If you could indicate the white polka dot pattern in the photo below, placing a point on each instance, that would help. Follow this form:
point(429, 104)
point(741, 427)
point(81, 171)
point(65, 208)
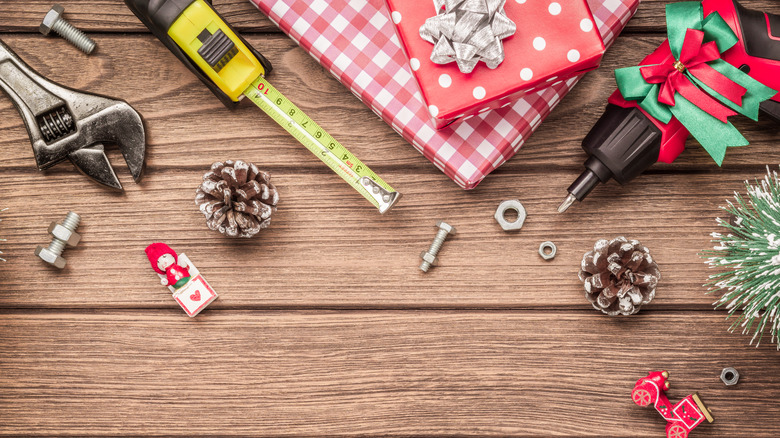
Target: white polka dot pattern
point(586, 25)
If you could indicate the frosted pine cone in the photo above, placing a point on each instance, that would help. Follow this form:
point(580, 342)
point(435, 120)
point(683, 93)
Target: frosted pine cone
point(619, 276)
point(237, 198)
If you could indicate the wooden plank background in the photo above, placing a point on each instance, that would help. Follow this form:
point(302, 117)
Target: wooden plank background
point(324, 325)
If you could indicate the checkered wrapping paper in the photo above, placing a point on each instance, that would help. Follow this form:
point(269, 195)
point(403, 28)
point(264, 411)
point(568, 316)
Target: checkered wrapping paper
point(356, 41)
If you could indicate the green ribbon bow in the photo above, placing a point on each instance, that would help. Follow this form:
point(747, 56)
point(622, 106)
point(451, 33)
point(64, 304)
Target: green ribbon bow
point(664, 91)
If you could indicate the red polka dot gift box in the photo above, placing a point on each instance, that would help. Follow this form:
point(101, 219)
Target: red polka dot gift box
point(356, 41)
point(480, 55)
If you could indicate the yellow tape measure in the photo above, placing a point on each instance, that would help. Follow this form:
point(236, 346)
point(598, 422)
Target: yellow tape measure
point(231, 66)
point(322, 144)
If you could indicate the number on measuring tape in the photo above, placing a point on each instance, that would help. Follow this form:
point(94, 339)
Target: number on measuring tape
point(320, 143)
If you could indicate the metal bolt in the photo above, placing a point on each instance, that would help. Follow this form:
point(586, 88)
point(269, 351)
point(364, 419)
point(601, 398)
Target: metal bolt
point(429, 257)
point(54, 21)
point(64, 234)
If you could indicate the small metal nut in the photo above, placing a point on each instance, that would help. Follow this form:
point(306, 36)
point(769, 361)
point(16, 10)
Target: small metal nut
point(428, 257)
point(71, 238)
point(729, 376)
point(515, 205)
point(49, 257)
point(548, 255)
point(51, 17)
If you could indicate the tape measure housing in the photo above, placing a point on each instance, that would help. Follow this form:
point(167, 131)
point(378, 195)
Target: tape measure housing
point(202, 34)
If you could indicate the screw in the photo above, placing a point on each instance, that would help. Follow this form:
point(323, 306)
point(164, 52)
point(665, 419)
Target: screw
point(54, 21)
point(429, 257)
point(62, 235)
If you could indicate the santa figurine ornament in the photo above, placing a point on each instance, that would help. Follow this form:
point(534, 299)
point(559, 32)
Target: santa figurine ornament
point(188, 287)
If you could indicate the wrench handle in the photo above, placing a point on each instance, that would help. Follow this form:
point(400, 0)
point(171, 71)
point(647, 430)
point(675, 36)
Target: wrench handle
point(25, 86)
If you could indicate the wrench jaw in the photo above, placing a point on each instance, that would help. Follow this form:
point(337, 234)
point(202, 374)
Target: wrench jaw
point(92, 162)
point(129, 135)
point(98, 121)
point(116, 123)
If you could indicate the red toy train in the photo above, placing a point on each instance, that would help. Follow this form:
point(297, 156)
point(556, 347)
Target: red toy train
point(682, 417)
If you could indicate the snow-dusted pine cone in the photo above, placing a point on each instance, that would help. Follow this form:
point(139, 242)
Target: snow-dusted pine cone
point(237, 198)
point(619, 276)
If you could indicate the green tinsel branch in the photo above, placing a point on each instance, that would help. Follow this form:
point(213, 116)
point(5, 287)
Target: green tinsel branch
point(747, 254)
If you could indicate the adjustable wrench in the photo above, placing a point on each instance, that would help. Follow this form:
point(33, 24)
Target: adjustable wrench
point(68, 124)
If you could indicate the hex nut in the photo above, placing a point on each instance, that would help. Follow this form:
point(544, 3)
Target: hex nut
point(515, 205)
point(71, 238)
point(447, 227)
point(548, 255)
point(729, 376)
point(50, 258)
point(428, 257)
point(51, 17)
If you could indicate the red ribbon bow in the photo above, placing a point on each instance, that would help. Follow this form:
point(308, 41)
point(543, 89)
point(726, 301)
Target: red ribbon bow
point(694, 57)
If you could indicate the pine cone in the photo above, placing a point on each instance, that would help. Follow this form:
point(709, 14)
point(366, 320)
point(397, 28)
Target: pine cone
point(237, 198)
point(619, 276)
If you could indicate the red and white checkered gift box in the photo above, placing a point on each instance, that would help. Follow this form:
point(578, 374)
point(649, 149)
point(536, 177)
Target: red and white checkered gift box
point(356, 41)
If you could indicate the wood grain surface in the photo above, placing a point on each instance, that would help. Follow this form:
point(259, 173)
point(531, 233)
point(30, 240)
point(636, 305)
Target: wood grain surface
point(324, 325)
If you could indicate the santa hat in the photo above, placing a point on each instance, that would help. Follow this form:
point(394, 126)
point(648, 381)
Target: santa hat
point(157, 250)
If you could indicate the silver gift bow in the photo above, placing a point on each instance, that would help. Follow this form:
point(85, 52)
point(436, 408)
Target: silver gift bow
point(468, 31)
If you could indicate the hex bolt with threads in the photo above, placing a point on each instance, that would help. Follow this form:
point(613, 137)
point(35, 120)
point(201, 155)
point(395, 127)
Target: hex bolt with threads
point(62, 235)
point(54, 21)
point(429, 257)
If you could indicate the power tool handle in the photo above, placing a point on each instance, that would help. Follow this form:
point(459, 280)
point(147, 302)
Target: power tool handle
point(760, 32)
point(158, 16)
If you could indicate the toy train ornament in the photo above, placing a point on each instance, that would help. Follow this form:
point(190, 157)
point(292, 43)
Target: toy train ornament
point(682, 417)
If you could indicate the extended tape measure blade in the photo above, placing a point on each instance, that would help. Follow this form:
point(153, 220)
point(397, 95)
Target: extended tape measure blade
point(322, 145)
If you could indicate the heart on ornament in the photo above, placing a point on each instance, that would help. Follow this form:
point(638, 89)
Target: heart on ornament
point(195, 296)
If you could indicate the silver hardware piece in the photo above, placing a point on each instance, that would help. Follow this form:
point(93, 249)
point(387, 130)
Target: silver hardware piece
point(54, 21)
point(566, 203)
point(729, 376)
point(62, 235)
point(385, 198)
point(429, 257)
point(66, 124)
point(475, 28)
point(510, 205)
point(543, 250)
